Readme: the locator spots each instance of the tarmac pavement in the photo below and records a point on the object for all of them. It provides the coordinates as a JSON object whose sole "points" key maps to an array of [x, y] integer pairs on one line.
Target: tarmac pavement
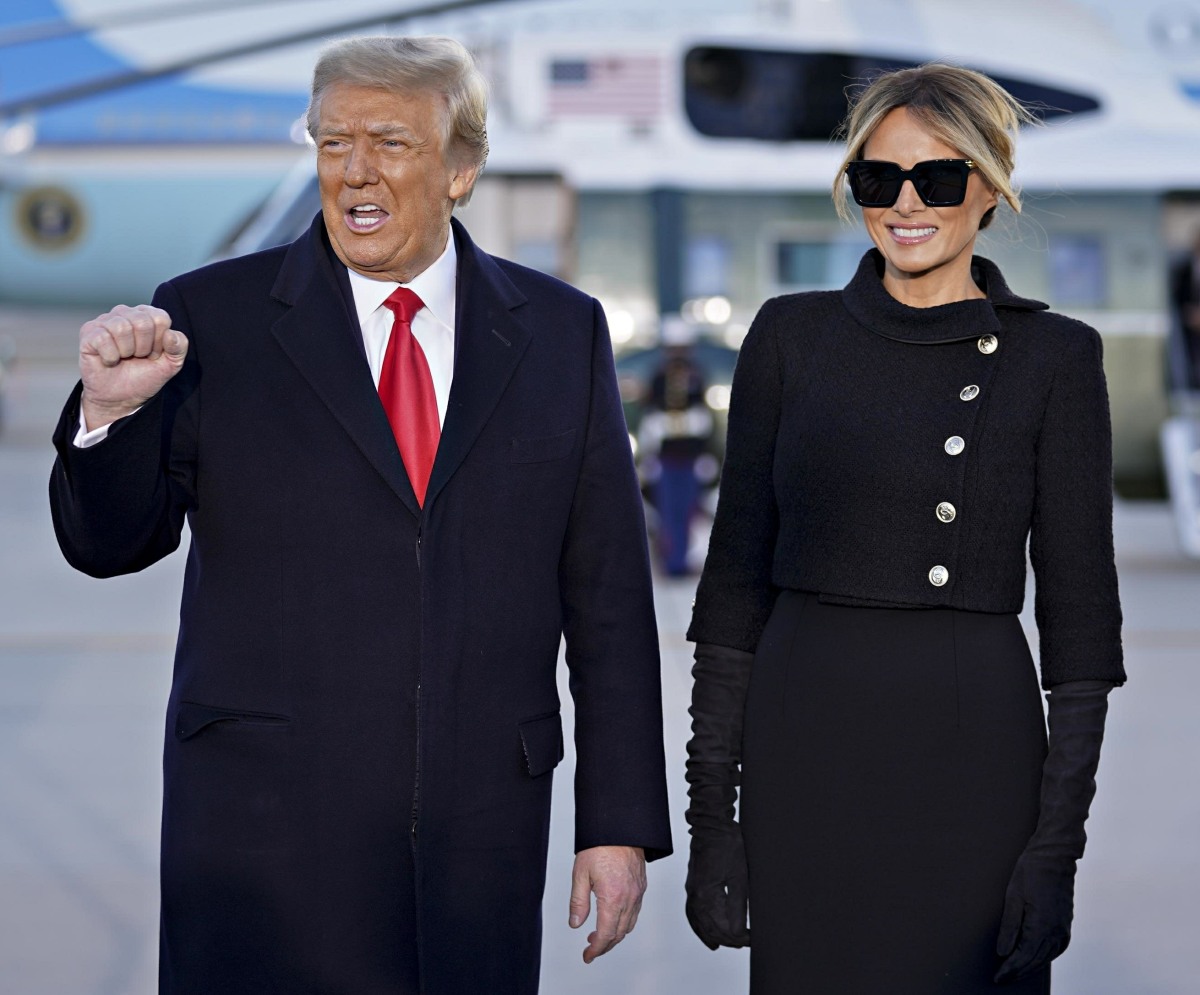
{"points": [[84, 674]]}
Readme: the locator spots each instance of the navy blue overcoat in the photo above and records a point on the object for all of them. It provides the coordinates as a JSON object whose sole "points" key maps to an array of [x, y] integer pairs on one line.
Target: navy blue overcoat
{"points": [[364, 721]]}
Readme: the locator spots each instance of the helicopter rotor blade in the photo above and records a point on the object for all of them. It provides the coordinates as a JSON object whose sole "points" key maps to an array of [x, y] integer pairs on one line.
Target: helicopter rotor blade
{"points": [[31, 32], [132, 77]]}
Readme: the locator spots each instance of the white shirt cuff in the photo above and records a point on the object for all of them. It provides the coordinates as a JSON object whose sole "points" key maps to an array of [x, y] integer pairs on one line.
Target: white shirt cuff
{"points": [[85, 439]]}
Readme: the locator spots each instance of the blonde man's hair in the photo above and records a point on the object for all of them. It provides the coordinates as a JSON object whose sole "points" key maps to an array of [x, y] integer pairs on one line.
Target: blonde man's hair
{"points": [[418, 64], [961, 108]]}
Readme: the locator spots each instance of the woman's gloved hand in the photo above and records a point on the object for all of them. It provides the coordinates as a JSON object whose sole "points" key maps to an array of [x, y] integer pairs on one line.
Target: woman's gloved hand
{"points": [[717, 891], [1039, 904]]}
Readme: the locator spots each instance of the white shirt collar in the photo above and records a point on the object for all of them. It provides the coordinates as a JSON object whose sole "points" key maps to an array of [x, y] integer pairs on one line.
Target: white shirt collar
{"points": [[435, 285]]}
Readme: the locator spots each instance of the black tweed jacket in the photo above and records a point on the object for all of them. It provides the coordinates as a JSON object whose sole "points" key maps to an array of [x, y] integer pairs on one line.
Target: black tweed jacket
{"points": [[892, 456]]}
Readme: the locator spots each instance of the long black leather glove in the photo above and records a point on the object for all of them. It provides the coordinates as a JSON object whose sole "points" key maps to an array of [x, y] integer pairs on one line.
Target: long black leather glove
{"points": [[717, 878], [1039, 903]]}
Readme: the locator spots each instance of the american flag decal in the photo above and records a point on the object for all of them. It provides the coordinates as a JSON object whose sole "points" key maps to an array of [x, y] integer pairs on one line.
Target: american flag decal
{"points": [[628, 86]]}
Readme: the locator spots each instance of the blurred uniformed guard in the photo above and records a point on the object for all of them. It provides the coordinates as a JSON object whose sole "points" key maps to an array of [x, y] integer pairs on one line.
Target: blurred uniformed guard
{"points": [[678, 426]]}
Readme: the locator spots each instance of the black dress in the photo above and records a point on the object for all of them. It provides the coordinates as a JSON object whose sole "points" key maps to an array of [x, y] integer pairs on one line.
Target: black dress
{"points": [[894, 736], [892, 760]]}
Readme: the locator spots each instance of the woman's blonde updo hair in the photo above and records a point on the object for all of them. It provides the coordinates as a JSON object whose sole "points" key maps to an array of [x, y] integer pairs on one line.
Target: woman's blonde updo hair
{"points": [[961, 108]]}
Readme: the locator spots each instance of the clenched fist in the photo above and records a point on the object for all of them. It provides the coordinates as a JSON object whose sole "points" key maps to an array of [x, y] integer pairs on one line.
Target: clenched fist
{"points": [[126, 355]]}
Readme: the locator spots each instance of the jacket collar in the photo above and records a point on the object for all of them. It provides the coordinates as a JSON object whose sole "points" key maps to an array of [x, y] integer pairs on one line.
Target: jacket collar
{"points": [[309, 256], [320, 335], [490, 337], [873, 307]]}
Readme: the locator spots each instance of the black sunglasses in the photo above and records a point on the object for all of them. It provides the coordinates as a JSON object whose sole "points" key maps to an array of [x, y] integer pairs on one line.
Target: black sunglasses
{"points": [[938, 182]]}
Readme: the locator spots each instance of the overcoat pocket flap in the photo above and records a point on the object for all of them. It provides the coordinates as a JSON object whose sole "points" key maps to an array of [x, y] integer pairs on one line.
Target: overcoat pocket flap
{"points": [[192, 717], [542, 739], [543, 449]]}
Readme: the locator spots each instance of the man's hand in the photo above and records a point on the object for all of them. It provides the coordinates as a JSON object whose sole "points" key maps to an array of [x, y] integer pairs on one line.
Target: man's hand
{"points": [[617, 874], [126, 355]]}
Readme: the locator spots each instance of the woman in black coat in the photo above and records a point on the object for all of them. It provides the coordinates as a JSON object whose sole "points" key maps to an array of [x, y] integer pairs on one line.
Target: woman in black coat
{"points": [[903, 827]]}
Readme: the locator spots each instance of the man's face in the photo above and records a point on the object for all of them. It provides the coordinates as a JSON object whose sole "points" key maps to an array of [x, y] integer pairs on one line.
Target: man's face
{"points": [[387, 184]]}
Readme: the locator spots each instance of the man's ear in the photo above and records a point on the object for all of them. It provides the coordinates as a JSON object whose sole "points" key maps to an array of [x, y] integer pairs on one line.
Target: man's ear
{"points": [[463, 181]]}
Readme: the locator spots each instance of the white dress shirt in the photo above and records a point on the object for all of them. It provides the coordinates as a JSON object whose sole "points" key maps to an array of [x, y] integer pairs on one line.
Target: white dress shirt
{"points": [[432, 326]]}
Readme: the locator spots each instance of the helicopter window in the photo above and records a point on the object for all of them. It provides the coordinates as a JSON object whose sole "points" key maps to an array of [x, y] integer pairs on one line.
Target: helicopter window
{"points": [[815, 263], [803, 264], [539, 253], [708, 260], [1078, 272], [801, 96]]}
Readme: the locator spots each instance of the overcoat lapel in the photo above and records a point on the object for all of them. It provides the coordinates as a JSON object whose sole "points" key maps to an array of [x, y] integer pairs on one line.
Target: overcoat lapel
{"points": [[317, 334], [489, 342]]}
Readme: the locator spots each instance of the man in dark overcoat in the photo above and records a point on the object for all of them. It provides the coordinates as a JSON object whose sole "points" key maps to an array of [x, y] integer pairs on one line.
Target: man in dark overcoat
{"points": [[364, 721]]}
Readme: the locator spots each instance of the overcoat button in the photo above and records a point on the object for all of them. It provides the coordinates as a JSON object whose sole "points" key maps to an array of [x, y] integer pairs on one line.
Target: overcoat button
{"points": [[938, 576], [969, 393], [955, 445], [988, 344], [946, 512]]}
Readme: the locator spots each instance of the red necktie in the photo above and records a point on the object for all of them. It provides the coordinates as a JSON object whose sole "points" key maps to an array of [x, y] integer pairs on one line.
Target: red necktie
{"points": [[406, 390]]}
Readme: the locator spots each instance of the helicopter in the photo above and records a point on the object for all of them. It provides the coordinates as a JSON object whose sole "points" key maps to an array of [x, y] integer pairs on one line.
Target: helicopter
{"points": [[673, 159]]}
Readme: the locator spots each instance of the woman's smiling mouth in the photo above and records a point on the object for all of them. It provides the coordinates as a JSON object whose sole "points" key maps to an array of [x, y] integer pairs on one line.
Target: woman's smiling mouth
{"points": [[912, 236]]}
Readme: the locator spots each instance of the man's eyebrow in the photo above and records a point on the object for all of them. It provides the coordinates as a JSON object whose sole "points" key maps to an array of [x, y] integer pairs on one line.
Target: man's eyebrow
{"points": [[381, 130]]}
